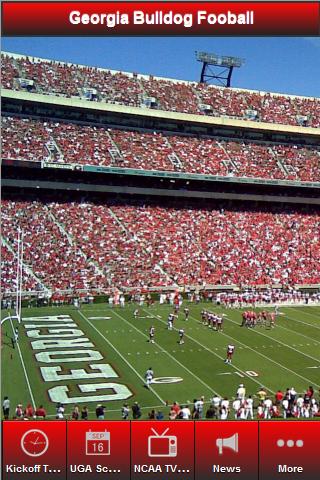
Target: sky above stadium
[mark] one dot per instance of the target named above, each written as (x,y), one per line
(285,65)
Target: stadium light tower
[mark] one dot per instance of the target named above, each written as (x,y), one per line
(217,68)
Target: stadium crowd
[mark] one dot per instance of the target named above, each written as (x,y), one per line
(47,250)
(208,246)
(9,272)
(57,78)
(31,139)
(71,245)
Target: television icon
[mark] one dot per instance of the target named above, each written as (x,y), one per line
(162,445)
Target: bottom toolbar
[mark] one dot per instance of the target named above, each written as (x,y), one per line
(134,450)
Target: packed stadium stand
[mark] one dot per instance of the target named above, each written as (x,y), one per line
(29,139)
(110,196)
(9,271)
(57,78)
(84,245)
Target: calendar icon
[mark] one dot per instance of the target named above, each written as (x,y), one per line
(98,443)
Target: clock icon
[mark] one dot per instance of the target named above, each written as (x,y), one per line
(34,442)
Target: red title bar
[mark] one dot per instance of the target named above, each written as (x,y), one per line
(160,18)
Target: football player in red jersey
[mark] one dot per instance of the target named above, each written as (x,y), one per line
(272,319)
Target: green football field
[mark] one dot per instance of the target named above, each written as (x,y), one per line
(285,356)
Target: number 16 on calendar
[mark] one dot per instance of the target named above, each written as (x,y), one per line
(98,443)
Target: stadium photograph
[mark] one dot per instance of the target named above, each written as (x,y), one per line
(160,240)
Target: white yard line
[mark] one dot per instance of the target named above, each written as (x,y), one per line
(24,368)
(268,358)
(122,357)
(261,354)
(253,330)
(171,356)
(300,321)
(297,333)
(218,356)
(308,307)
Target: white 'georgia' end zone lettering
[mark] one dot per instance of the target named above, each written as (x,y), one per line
(75,353)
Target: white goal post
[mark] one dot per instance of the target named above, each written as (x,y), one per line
(19,281)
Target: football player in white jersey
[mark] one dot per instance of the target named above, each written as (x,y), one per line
(230,352)
(152,332)
(267,408)
(171,317)
(149,376)
(236,404)
(241,392)
(219,321)
(181,336)
(249,407)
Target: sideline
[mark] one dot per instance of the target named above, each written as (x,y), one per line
(24,367)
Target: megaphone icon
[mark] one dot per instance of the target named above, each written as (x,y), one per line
(230,442)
